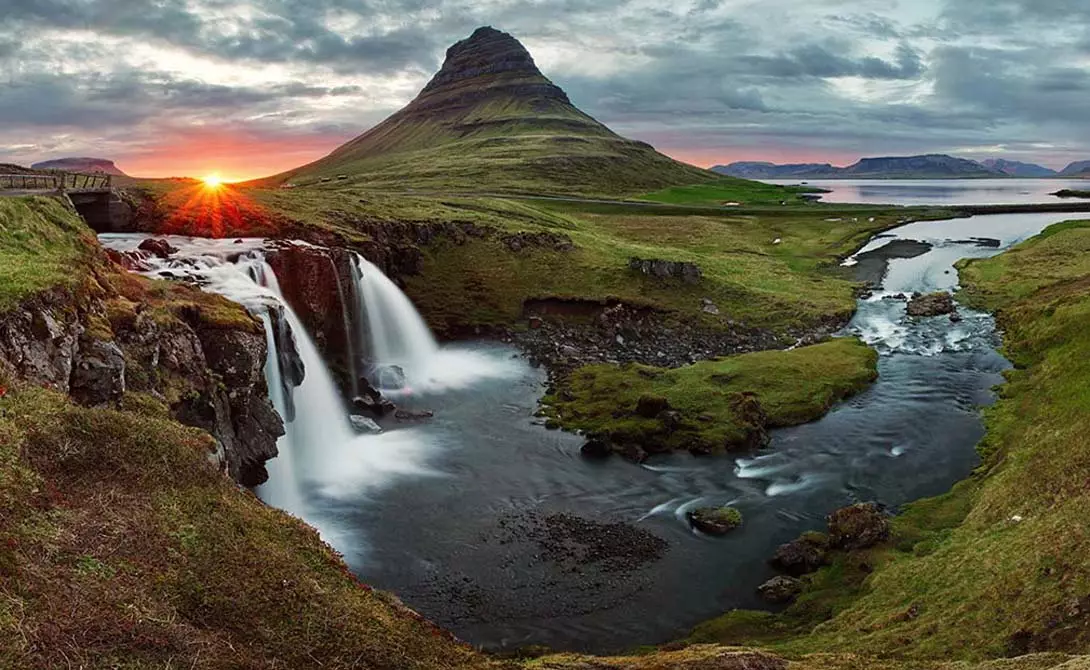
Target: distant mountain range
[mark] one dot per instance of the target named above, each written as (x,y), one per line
(929,166)
(80,164)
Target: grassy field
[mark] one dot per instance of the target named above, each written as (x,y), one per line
(728,191)
(790,388)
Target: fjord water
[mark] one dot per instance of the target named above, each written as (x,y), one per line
(433,511)
(940,191)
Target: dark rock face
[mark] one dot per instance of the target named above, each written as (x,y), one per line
(98,373)
(39,342)
(780,589)
(858,526)
(932,304)
(689,273)
(747,407)
(801,556)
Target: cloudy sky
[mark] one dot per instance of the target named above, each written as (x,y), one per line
(251,87)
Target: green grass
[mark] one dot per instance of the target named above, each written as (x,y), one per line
(121,546)
(730,190)
(43,245)
(792,387)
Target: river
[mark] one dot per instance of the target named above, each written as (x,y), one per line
(463,516)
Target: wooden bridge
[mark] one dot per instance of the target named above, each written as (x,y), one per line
(57,182)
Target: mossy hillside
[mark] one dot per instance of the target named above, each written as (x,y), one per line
(791,387)
(996,567)
(43,245)
(121,546)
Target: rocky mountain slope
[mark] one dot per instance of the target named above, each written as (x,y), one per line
(81,164)
(1076,169)
(1018,168)
(489,120)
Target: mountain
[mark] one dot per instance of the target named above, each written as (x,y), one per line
(1018,168)
(760,170)
(930,166)
(1076,169)
(489,120)
(82,164)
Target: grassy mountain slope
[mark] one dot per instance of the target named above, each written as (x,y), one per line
(490,121)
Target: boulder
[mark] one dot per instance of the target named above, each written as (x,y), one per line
(932,304)
(98,373)
(715,520)
(709,307)
(363,424)
(858,526)
(596,448)
(371,401)
(780,589)
(158,247)
(803,555)
(689,273)
(634,453)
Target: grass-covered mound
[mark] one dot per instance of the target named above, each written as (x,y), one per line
(712,405)
(43,245)
(121,546)
(999,566)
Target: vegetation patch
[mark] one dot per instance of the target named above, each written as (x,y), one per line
(710,406)
(731,192)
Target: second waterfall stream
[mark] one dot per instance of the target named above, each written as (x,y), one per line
(322,457)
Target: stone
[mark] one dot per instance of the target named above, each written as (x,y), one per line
(688,273)
(715,520)
(596,448)
(780,589)
(670,419)
(98,373)
(859,526)
(411,415)
(158,247)
(709,307)
(363,424)
(803,555)
(535,322)
(932,304)
(371,401)
(955,317)
(634,453)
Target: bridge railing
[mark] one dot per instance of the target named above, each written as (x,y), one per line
(57,181)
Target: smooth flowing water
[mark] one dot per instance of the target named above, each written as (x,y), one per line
(448,513)
(941,191)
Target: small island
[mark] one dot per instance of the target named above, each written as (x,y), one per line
(1072,193)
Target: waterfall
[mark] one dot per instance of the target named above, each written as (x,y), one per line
(399,338)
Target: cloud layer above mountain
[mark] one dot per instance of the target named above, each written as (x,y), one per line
(182,86)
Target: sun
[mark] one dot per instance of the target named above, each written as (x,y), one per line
(212,181)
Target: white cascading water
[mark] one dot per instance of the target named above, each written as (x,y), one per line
(398,335)
(320,453)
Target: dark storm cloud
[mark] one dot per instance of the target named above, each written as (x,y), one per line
(867,76)
(815,60)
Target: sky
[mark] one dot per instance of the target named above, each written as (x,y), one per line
(249,88)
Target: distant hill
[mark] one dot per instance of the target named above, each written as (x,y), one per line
(1076,169)
(1018,168)
(930,166)
(760,170)
(489,120)
(81,164)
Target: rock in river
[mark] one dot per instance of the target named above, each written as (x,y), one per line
(715,520)
(932,304)
(858,526)
(802,556)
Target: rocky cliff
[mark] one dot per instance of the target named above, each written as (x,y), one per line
(110,338)
(81,164)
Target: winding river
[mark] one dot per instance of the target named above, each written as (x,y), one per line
(468,517)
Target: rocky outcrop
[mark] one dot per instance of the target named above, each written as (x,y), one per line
(99,347)
(689,273)
(803,555)
(780,589)
(858,526)
(931,304)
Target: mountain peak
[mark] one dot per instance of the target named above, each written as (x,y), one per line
(488,53)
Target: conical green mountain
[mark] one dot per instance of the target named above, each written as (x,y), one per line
(490,121)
